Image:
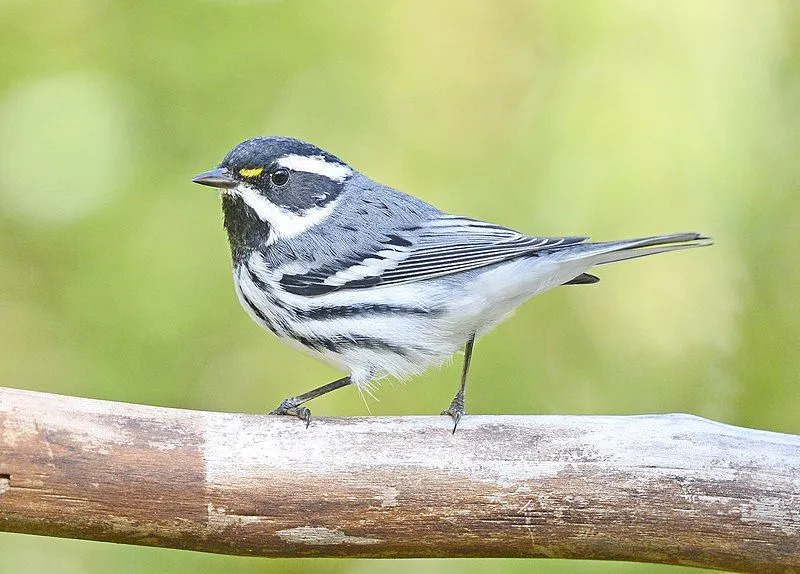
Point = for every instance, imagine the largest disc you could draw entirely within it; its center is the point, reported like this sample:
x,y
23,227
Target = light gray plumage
x,y
374,281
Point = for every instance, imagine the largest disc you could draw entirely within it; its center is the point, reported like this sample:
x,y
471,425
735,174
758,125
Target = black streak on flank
x,y
256,279
301,285
338,311
342,344
346,311
334,345
257,312
311,285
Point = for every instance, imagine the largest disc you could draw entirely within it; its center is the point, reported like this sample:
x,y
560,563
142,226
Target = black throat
x,y
246,231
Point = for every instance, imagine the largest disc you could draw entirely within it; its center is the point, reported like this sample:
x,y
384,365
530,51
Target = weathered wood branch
x,y
674,489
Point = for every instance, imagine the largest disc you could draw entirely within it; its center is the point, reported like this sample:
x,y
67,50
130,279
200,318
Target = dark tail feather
x,y
584,279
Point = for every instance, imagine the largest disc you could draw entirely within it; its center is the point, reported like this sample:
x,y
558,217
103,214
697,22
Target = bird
x,y
376,282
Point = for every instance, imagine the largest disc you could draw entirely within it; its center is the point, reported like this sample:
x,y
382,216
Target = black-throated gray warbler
x,y
376,282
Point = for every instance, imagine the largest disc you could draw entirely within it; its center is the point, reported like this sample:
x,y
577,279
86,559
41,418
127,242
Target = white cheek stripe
x,y
284,224
316,164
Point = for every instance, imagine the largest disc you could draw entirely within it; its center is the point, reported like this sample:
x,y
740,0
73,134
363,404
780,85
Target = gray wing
x,y
441,246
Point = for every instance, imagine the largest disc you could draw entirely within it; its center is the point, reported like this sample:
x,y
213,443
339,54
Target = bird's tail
x,y
611,251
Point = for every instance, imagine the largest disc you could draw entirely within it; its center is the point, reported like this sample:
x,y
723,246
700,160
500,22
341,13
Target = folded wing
x,y
442,246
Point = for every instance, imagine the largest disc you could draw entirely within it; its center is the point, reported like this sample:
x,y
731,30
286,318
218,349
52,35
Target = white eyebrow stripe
x,y
316,164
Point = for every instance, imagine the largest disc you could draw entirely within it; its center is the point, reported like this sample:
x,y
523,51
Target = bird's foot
x,y
456,410
291,407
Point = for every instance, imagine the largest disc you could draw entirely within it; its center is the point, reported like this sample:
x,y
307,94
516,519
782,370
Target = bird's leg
x,y
456,409
291,406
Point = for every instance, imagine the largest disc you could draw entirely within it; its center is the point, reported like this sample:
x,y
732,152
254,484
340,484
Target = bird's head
x,y
286,184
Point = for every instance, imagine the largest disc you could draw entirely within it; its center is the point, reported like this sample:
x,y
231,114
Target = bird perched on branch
x,y
376,282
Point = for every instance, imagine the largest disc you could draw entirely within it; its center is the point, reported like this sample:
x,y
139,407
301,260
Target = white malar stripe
x,y
284,224
316,164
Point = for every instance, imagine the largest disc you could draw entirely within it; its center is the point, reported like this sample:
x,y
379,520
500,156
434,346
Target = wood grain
x,y
674,489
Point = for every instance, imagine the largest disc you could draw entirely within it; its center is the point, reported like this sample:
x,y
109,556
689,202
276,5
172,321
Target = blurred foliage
x,y
614,119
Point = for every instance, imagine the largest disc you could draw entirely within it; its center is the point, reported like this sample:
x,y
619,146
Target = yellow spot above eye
x,y
251,172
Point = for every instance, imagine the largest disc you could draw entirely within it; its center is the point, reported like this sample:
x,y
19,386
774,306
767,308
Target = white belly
x,y
368,345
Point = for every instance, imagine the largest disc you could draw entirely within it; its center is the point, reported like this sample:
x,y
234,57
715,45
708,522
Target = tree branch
x,y
674,489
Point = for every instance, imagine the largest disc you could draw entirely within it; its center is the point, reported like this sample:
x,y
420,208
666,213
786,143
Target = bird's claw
x,y
291,408
456,410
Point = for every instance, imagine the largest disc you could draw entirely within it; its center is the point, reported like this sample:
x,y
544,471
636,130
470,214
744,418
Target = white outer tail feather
x,y
612,251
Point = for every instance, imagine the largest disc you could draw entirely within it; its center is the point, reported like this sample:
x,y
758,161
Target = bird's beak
x,y
219,177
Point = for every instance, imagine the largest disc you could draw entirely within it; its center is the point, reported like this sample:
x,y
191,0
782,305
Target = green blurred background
x,y
615,119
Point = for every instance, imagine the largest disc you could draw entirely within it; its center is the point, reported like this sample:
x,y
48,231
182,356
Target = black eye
x,y
280,176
